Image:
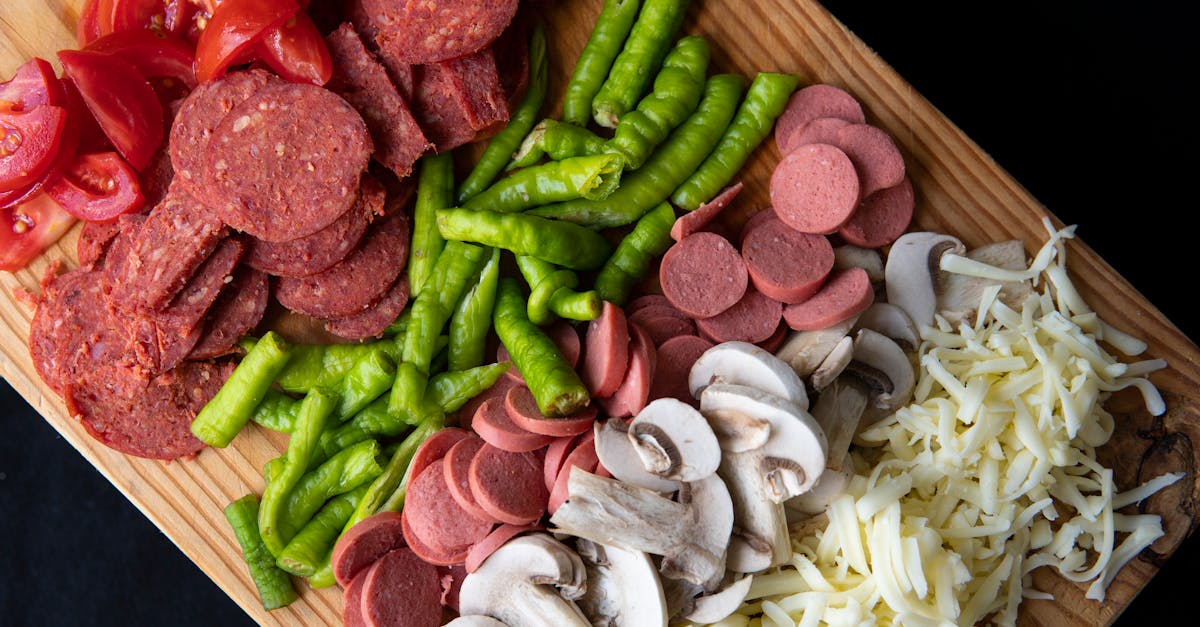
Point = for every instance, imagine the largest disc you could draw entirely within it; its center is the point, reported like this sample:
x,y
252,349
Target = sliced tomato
x,y
95,20
29,228
33,84
29,142
180,16
122,100
235,27
154,53
131,15
97,187
297,52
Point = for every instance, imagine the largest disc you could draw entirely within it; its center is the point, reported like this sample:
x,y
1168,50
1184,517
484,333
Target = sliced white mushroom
x,y
959,298
760,534
805,350
884,367
838,410
475,620
532,580
833,483
708,497
715,607
851,256
617,455
674,441
914,275
892,321
623,587
833,364
746,364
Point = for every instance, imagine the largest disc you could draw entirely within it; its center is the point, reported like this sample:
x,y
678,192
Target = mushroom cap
x,y
615,450
674,441
805,350
623,587
714,608
884,367
746,364
893,322
833,364
532,580
914,275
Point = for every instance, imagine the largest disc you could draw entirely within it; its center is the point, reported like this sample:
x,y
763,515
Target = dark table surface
x,y
1081,101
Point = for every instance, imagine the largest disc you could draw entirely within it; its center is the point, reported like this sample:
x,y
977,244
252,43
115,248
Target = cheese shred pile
x,y
988,475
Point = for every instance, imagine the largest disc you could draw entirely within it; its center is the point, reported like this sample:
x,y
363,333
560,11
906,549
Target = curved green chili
x,y
326,365
386,484
670,165
590,176
323,578
367,380
765,99
557,242
311,546
557,140
604,44
500,148
220,420
349,468
451,390
275,588
650,238
640,58
276,412
555,385
472,318
435,190
552,293
456,266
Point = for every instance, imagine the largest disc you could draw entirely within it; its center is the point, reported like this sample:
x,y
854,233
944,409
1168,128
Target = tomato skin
x,y
155,54
133,15
297,52
33,84
95,20
29,142
234,28
29,228
97,187
122,100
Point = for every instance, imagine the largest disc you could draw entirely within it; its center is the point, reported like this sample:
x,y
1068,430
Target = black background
x,y
1083,102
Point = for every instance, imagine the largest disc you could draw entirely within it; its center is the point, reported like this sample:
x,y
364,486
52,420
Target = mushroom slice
x,y
623,587
893,322
531,581
834,363
708,497
715,607
851,256
475,620
833,483
838,411
876,358
674,441
615,450
793,457
959,299
746,364
760,533
914,275
805,350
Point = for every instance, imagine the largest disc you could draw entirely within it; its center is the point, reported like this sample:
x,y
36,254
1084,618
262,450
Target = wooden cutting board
x,y
185,498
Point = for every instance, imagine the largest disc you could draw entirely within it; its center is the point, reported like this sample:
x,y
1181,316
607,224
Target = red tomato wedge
x,y
122,100
235,27
29,142
97,187
179,16
29,228
297,52
33,84
154,53
95,20
133,15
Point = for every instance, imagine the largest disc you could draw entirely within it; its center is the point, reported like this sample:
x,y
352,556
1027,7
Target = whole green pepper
x,y
275,588
650,238
456,266
276,412
501,147
592,176
451,390
326,365
768,95
367,380
670,165
555,385
557,242
472,318
311,546
435,190
386,484
349,468
557,140
552,294
640,58
231,408
323,578
603,45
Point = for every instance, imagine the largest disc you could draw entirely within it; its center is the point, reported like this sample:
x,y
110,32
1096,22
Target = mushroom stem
x,y
838,410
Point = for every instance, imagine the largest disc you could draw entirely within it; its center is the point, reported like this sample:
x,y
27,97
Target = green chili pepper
x,y
276,412
326,365
275,588
676,93
592,176
500,148
557,242
555,385
764,102
349,468
386,484
367,380
472,318
435,190
669,166
640,58
553,295
307,551
451,390
627,266
311,419
456,266
557,140
231,408
604,44
323,578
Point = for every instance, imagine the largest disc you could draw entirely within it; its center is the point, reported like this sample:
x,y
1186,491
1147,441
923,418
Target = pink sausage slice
x,y
647,300
352,600
882,217
509,485
663,328
584,457
435,517
498,389
431,553
818,131
496,539
773,343
703,275
846,294
457,467
364,543
811,103
634,392
607,354
492,423
452,580
755,220
815,189
753,319
785,264
434,448
873,153
556,456
694,221
656,311
523,411
675,359
401,589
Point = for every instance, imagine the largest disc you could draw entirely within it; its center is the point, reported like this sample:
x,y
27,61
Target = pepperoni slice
x,y
509,485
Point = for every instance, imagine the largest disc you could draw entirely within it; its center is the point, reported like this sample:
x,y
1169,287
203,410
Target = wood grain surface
x,y
960,189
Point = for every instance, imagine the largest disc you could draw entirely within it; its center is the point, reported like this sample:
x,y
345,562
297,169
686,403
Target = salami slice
x,y
285,163
456,99
415,31
201,113
752,319
435,517
401,589
703,275
72,329
364,543
375,320
238,309
94,240
675,359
